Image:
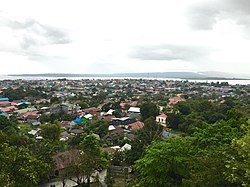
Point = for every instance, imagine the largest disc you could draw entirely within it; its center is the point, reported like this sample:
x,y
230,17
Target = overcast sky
x,y
114,36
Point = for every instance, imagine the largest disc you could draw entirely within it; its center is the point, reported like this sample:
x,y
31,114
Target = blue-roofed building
x,y
78,120
22,103
4,99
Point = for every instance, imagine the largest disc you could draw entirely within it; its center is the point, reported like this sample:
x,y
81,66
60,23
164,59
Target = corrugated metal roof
x,y
4,99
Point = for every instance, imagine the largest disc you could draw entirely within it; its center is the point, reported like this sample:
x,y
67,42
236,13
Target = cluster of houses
x,y
125,96
128,93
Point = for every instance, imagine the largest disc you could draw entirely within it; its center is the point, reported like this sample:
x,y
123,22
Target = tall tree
x,y
92,158
19,167
51,131
8,126
164,164
151,132
238,163
149,109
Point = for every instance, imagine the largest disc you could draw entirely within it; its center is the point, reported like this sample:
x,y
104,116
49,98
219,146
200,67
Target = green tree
x,y
54,100
191,122
149,109
117,114
174,120
51,131
19,167
238,162
183,107
92,158
218,134
233,114
206,166
151,132
8,126
83,104
164,164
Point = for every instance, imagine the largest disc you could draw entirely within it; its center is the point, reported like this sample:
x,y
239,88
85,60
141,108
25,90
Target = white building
x,y
134,110
162,119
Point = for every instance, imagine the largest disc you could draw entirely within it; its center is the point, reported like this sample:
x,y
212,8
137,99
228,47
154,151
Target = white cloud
x,y
123,36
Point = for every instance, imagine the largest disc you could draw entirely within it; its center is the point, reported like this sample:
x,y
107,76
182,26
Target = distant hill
x,y
177,75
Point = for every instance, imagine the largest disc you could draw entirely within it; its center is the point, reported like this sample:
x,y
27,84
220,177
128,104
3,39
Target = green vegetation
x,y
206,139
214,151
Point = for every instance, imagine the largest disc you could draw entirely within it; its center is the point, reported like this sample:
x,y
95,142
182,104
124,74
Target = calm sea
x,y
233,82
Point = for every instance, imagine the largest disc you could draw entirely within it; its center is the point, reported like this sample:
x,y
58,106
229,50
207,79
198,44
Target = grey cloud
x,y
19,25
33,33
242,6
204,16
168,52
30,35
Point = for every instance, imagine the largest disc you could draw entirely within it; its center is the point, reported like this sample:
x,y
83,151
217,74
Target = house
x,y
56,109
125,147
93,110
64,159
111,127
34,132
123,121
4,114
76,132
8,109
22,111
107,118
4,99
88,116
5,104
123,105
175,100
136,125
134,110
110,112
115,134
111,150
30,117
65,136
18,104
134,103
166,134
66,124
36,123
162,119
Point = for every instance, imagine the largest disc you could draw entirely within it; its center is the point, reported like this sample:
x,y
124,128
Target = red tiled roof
x,y
4,102
8,109
122,105
5,109
136,125
134,103
163,115
30,114
176,99
222,101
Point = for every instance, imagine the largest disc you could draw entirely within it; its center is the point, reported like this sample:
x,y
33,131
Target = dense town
x,y
95,132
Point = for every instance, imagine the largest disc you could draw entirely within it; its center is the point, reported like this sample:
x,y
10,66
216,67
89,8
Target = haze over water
x,y
233,82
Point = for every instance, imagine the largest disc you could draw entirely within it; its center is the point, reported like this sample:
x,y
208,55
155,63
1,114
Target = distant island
x,y
177,75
